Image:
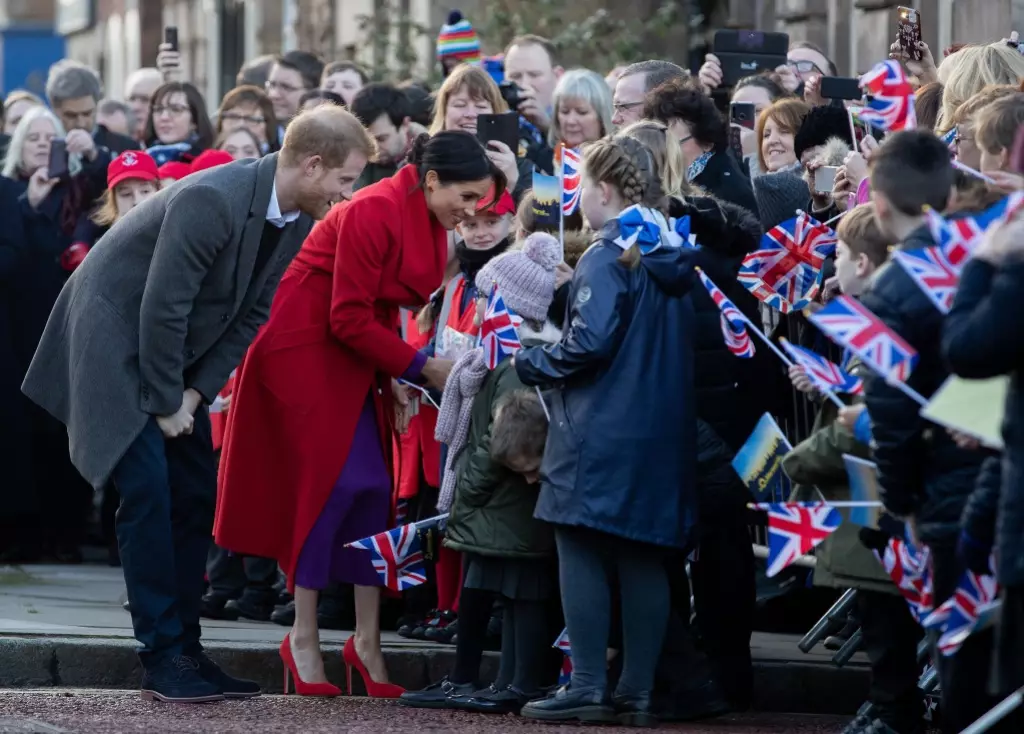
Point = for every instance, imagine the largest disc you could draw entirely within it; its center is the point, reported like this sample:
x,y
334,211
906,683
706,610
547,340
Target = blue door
x,y
27,56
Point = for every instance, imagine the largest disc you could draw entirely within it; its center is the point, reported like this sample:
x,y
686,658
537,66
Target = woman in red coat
x,y
303,467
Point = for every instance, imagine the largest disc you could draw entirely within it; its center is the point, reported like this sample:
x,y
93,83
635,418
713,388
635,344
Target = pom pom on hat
x,y
457,40
526,277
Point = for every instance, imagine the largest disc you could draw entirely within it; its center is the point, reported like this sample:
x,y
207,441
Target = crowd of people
x,y
298,281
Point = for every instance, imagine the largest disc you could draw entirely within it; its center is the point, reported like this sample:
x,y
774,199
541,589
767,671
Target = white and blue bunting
x,y
649,230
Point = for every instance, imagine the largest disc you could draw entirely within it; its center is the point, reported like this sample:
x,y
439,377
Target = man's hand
x,y
788,78
532,110
180,424
39,187
192,400
710,74
81,142
168,61
436,371
798,376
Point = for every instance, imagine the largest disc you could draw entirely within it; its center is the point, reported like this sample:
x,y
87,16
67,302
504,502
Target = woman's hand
x,y
812,93
39,187
788,78
168,61
505,160
856,166
820,200
563,274
868,146
710,74
1001,241
1006,181
842,188
436,371
402,404
925,69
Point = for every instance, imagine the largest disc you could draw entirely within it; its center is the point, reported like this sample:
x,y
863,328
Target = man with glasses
x,y
291,76
74,92
633,84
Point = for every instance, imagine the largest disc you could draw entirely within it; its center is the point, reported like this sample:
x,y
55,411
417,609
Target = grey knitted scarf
x,y
460,389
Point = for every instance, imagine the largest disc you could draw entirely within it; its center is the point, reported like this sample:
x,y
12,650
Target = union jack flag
x,y
911,572
959,237
890,101
397,557
795,529
498,335
961,613
571,180
950,138
562,643
932,272
852,326
790,258
827,376
763,293
734,323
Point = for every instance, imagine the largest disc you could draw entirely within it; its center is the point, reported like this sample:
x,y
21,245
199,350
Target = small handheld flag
x,y
571,164
890,97
826,375
961,613
911,572
734,323
498,335
795,529
397,557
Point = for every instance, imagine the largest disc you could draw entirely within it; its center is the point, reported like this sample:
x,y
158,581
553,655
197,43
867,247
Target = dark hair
x,y
529,39
677,100
928,104
255,71
656,72
196,106
378,99
248,94
520,427
421,102
309,66
832,70
912,169
323,95
768,81
455,156
336,67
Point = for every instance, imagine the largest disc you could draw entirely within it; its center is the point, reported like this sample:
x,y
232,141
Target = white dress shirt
x,y
274,214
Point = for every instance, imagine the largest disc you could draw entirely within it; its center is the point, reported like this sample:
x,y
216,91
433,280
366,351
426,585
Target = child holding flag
x,y
495,436
618,475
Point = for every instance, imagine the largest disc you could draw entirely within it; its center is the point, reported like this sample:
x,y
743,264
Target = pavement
x,y
63,628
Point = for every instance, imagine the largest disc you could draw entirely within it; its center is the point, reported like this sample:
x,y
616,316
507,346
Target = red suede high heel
x,y
291,672
373,689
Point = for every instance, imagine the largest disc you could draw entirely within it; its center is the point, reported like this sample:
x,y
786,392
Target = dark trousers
x,y
168,493
891,636
232,575
963,676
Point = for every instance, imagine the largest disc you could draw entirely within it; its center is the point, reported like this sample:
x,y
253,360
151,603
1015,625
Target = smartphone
x,y
908,31
743,114
736,141
171,36
57,166
840,87
503,127
825,179
745,53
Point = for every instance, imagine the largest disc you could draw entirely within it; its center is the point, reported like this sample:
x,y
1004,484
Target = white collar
x,y
274,214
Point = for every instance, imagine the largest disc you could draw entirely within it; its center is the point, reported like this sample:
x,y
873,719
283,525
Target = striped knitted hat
x,y
457,40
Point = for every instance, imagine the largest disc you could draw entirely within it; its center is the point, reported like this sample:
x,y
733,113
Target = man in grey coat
x,y
146,332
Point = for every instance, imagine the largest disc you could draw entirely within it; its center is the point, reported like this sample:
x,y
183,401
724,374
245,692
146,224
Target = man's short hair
x,y
860,232
112,107
530,39
255,72
70,79
309,66
656,72
379,98
912,170
520,427
328,131
998,123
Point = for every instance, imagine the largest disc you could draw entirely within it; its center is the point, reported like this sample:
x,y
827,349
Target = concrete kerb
x,y
111,663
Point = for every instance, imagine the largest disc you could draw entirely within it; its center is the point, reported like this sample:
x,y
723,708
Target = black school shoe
x,y
492,701
177,680
566,704
228,685
249,607
436,695
635,710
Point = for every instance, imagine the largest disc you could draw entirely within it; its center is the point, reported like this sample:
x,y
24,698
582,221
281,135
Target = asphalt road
x,y
123,712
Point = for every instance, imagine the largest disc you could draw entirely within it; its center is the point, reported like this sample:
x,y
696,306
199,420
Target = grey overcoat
x,y
165,301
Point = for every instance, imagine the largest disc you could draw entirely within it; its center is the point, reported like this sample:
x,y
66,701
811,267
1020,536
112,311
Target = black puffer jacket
x,y
921,470
730,395
984,337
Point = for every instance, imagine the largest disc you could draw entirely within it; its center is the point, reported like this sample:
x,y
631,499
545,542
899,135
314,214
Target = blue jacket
x,y
621,453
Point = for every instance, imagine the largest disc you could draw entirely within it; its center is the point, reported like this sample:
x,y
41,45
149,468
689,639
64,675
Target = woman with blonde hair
x,y
973,68
583,109
668,158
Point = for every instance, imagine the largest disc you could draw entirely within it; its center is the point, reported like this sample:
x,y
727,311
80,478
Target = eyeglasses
x,y
286,88
625,106
962,139
236,117
175,110
804,67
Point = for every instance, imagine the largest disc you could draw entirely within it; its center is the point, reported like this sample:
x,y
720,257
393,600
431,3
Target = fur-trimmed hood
x,y
833,154
721,227
576,243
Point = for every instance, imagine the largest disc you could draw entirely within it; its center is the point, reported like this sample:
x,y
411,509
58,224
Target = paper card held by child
x,y
863,476
759,462
974,407
546,195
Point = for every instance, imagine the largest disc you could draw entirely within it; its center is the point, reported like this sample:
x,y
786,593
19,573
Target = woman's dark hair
x,y
456,157
322,94
421,102
196,106
768,81
928,104
247,94
676,99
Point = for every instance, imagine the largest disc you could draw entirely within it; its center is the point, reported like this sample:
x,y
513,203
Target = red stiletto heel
x,y
373,689
291,673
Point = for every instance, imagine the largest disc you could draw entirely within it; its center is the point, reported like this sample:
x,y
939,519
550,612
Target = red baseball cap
x,y
131,164
504,204
211,159
175,170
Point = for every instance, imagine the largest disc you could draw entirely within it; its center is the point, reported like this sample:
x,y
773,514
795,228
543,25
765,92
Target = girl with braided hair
x,y
617,478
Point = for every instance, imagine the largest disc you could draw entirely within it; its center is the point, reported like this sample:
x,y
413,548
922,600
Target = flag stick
x,y
543,404
908,391
828,394
843,504
836,218
853,129
967,169
423,390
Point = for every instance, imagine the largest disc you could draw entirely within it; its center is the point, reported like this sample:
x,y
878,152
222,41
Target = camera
x,y
510,92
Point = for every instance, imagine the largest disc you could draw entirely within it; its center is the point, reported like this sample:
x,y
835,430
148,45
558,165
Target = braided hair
x,y
629,166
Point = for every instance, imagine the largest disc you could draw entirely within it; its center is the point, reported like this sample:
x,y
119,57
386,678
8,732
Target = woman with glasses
x,y
249,107
178,128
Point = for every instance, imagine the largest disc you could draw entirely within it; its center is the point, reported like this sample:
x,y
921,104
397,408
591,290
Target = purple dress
x,y
358,507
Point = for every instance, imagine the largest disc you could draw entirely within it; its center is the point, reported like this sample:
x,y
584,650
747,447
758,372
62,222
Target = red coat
x,y
330,340
416,449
